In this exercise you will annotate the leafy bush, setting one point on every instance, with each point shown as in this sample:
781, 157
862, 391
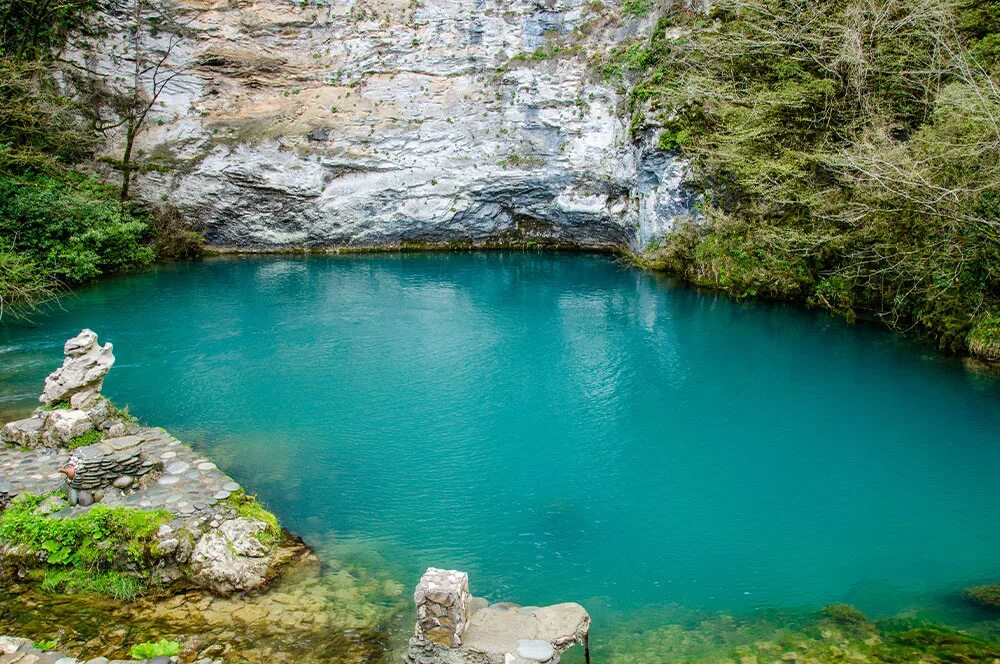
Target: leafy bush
846, 153
63, 231
151, 649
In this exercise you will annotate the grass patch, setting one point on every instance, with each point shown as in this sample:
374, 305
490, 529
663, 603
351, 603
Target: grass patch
984, 339
247, 506
83, 440
120, 586
86, 552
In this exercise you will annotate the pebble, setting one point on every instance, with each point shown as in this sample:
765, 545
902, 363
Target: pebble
84, 499
207, 465
230, 487
178, 467
167, 480
123, 482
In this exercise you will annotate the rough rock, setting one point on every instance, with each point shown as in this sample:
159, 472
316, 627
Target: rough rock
65, 424
26, 433
81, 376
230, 558
389, 121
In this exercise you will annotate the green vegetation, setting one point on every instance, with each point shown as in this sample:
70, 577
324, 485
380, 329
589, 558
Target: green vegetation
985, 595
119, 586
120, 413
846, 154
58, 226
247, 506
840, 633
45, 645
638, 8
845, 615
85, 552
83, 440
151, 649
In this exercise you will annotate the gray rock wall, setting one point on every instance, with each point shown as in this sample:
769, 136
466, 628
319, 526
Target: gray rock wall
374, 122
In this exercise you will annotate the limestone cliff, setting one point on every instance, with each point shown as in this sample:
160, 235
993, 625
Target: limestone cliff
373, 122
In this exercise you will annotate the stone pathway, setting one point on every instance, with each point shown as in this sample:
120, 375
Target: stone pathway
187, 484
30, 471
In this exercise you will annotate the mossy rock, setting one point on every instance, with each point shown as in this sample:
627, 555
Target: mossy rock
988, 596
845, 615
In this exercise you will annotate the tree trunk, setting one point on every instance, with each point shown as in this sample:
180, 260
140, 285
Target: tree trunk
127, 161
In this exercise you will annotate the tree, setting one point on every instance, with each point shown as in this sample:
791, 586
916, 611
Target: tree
139, 101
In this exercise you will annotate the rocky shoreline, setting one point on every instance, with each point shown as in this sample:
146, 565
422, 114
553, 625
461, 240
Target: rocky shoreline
92, 502
78, 459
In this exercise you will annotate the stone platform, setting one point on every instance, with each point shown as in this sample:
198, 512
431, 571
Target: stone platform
180, 481
455, 628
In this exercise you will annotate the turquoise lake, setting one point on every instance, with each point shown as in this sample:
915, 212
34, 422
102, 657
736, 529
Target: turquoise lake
560, 426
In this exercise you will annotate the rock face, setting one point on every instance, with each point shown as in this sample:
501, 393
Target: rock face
379, 122
80, 378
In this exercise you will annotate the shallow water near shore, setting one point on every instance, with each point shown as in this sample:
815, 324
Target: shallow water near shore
561, 427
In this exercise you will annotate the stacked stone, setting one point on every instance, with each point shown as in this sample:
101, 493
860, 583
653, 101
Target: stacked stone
7, 493
443, 606
106, 463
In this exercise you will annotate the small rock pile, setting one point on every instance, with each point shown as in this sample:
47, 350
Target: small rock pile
113, 462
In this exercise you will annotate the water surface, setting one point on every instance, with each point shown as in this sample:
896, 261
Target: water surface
560, 426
